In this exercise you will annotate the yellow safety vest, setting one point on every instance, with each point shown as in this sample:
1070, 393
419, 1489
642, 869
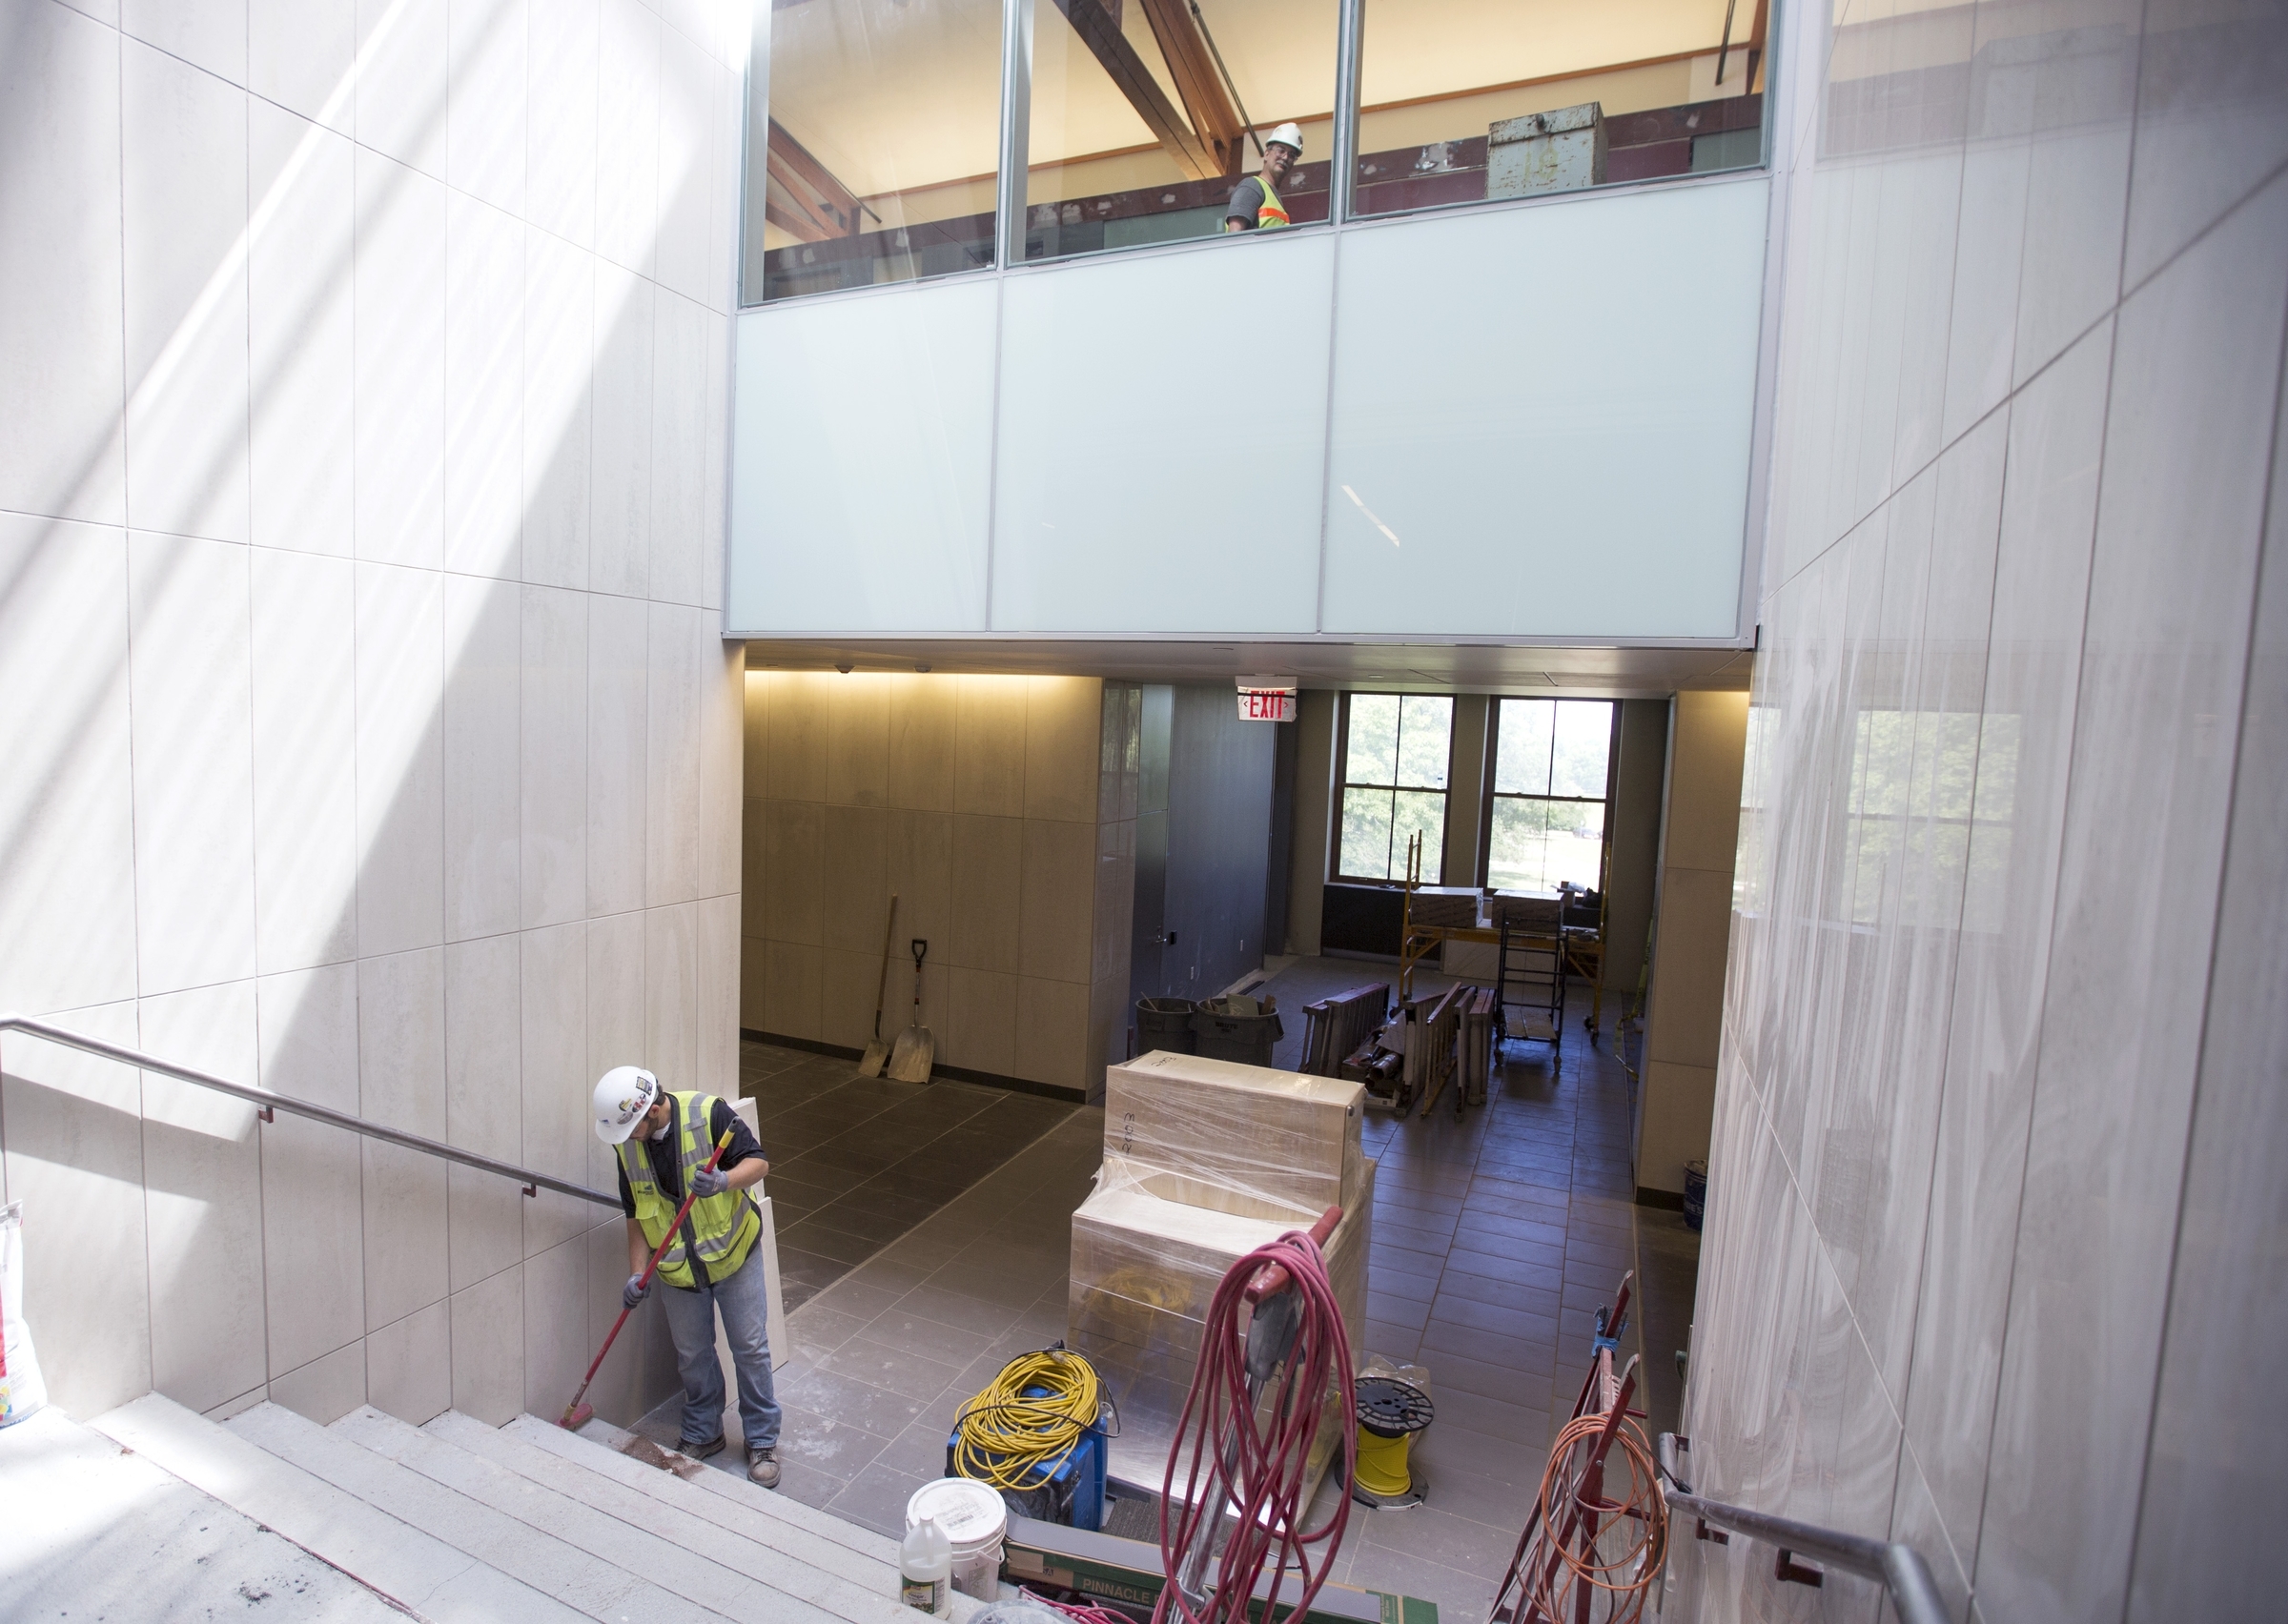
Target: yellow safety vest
1272, 214
721, 1229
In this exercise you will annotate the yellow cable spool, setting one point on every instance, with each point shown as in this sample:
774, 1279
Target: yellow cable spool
1010, 1439
1382, 1467
1391, 1412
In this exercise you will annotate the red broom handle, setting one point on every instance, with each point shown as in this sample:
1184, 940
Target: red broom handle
649, 1270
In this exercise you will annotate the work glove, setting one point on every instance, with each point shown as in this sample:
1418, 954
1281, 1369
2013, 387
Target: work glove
634, 1292
709, 1181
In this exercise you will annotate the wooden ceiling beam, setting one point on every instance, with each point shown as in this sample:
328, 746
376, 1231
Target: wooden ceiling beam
1184, 47
1126, 67
803, 197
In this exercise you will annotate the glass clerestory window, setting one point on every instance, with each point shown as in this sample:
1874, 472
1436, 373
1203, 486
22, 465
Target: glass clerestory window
1396, 753
1152, 120
1547, 810
1472, 101
874, 159
874, 151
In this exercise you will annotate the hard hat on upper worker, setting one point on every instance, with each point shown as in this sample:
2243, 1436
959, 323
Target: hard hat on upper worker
622, 1095
1287, 136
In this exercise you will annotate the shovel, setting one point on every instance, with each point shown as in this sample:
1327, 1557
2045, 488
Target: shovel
917, 1050
877, 1051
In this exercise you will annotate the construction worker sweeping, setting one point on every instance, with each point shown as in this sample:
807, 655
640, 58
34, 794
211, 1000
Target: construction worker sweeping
666, 1143
1255, 205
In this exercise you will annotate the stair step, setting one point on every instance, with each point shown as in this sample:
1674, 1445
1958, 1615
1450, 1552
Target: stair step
598, 1446
427, 1576
731, 1486
665, 1559
555, 1567
723, 1485
859, 1586
92, 1532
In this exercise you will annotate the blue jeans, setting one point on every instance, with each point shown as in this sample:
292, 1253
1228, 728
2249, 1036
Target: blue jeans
744, 1299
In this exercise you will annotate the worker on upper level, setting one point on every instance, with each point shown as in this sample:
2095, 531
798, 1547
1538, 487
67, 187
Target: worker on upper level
663, 1141
1255, 205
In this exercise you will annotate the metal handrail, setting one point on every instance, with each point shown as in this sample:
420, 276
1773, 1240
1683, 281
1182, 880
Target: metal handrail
270, 1102
1899, 1569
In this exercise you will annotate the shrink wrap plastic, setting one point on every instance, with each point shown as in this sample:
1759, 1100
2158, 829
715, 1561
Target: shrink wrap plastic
1144, 1271
1244, 1140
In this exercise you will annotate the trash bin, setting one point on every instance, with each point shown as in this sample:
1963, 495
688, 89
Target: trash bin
1165, 1023
1231, 1029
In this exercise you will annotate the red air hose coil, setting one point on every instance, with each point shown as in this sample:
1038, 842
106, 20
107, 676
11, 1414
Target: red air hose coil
1257, 1472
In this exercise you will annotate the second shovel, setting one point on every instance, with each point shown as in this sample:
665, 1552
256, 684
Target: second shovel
916, 1050
877, 1051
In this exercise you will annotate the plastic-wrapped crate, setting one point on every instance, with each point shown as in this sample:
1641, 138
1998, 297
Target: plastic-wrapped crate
1240, 1139
1144, 1271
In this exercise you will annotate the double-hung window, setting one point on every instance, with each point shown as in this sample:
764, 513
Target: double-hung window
1397, 751
1547, 805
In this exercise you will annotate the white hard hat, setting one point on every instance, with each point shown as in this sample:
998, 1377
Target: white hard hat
622, 1095
1289, 136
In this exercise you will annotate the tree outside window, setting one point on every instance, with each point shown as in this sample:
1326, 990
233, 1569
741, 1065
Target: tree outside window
1397, 751
1549, 794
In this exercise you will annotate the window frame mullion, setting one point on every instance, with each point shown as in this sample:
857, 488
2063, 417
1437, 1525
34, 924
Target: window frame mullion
1016, 133
1350, 31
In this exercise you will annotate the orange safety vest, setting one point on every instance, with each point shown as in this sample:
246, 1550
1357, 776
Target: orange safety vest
1272, 214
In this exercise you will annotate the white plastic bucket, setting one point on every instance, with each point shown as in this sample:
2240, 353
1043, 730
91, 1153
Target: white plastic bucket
974, 1519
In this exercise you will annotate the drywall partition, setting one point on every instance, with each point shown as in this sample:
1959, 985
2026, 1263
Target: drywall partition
1323, 431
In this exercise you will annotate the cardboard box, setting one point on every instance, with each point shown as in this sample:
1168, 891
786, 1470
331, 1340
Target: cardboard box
1243, 1139
1144, 1271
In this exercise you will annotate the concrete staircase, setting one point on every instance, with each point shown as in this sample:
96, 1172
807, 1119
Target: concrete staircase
156, 1512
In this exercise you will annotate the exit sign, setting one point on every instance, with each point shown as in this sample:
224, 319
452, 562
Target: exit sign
1266, 699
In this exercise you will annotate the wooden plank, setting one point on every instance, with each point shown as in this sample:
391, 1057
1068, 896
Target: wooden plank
1197, 83
1127, 69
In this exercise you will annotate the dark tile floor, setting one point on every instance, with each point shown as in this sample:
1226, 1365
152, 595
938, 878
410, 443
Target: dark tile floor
1497, 1236
857, 1162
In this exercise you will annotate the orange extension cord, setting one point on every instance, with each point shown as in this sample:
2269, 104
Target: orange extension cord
1548, 1589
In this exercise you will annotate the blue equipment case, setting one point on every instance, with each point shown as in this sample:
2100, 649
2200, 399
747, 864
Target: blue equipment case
1073, 1493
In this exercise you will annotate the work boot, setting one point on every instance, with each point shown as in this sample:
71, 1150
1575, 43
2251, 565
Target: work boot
763, 1467
701, 1452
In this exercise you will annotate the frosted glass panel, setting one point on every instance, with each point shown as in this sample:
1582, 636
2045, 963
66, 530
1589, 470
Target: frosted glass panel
1557, 443
860, 463
1162, 441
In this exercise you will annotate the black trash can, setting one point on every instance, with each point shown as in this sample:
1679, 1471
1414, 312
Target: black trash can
1225, 1034
1165, 1023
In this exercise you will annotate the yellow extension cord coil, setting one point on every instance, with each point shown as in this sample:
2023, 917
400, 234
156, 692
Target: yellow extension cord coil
1010, 1440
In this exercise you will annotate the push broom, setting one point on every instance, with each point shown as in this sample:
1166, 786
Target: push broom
578, 1414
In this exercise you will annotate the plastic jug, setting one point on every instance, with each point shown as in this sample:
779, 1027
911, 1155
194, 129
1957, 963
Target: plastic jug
926, 1569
